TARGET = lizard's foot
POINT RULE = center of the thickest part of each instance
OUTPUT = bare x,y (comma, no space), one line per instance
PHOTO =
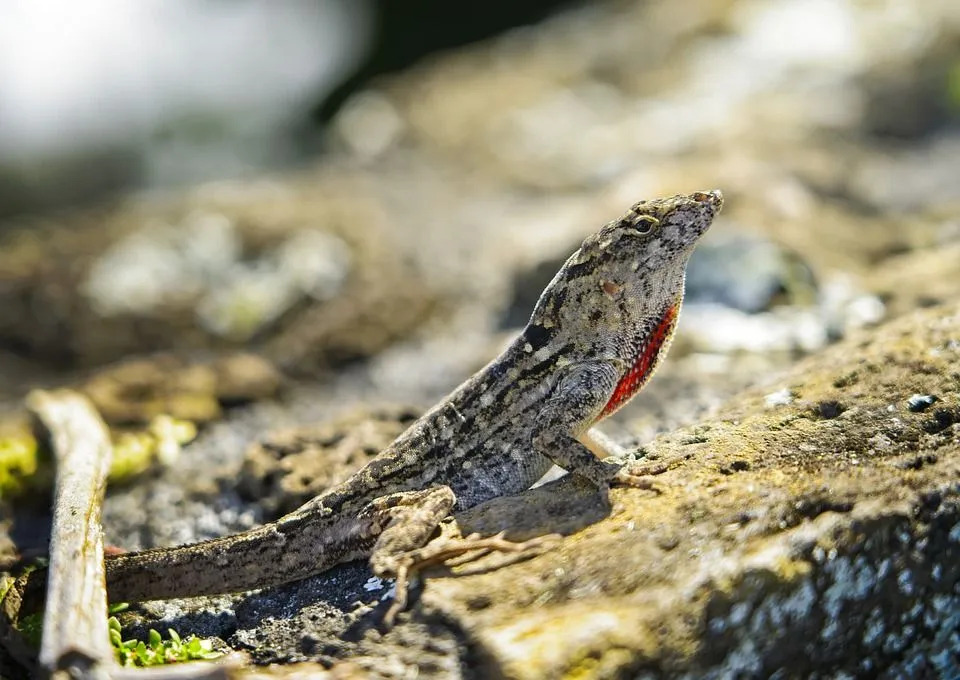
638,476
460,551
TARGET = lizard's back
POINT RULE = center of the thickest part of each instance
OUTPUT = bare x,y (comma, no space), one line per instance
477,440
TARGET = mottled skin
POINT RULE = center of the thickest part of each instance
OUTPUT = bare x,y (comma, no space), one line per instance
597,333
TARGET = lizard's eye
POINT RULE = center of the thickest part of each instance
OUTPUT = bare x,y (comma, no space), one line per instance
645,224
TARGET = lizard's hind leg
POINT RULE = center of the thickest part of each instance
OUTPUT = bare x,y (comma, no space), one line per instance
404,547
411,517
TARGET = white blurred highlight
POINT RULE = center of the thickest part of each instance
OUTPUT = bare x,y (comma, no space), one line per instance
80,75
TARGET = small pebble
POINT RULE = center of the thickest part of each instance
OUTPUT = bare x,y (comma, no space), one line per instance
779,398
921,402
373,583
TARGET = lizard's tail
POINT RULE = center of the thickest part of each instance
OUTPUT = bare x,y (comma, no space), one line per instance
289,549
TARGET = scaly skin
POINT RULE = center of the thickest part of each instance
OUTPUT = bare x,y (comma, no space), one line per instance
597,333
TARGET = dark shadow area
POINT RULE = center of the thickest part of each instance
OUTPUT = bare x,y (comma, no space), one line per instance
405,32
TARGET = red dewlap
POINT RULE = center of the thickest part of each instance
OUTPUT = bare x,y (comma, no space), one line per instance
631,383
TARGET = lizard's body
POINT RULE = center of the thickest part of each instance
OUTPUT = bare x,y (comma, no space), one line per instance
595,337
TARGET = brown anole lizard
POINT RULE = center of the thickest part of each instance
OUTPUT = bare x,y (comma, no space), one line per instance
595,336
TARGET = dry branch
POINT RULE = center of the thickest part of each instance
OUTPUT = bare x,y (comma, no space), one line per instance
75,635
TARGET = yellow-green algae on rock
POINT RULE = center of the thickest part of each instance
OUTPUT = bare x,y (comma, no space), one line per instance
818,530
153,406
18,460
24,466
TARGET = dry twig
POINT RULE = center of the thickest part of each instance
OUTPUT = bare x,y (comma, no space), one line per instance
75,638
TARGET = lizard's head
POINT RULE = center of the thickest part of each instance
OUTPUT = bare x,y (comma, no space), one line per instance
652,235
633,268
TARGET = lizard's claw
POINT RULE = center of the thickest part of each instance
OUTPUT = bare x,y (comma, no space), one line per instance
639,476
401,589
474,546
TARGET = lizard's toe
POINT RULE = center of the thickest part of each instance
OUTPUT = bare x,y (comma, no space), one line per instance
639,476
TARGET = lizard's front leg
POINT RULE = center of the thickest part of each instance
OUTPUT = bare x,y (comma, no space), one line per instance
603,447
572,407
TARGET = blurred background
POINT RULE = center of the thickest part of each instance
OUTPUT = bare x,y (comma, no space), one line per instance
111,96
373,193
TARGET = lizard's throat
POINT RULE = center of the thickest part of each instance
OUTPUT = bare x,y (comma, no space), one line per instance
648,354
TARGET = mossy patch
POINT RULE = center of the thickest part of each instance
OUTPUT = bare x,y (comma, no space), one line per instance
18,463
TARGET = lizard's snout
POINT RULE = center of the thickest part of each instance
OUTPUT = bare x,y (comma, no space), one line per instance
713,198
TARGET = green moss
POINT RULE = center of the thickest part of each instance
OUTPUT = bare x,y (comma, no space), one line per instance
6,582
610,663
133,452
953,87
31,627
24,465
156,651
18,463
170,434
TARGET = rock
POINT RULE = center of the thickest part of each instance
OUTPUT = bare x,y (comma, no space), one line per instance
24,465
779,398
153,407
715,328
922,278
245,377
783,536
747,273
286,469
918,403
307,274
134,392
907,100
786,532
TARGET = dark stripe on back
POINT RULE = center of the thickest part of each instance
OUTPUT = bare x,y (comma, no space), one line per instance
544,366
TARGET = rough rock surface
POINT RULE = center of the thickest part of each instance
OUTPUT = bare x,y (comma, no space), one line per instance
808,528
788,539
302,272
286,469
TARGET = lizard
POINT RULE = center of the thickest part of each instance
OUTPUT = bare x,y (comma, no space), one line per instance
596,335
